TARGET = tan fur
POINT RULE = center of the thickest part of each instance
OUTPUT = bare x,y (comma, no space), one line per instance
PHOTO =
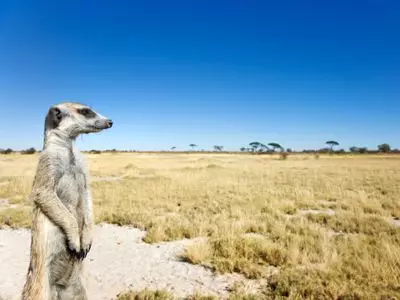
62,215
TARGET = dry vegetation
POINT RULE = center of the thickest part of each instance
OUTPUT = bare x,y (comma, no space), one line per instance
315,228
165,295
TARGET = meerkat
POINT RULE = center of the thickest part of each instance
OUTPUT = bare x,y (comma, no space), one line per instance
62,207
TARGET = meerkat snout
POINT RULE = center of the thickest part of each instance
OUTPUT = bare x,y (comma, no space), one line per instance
104,123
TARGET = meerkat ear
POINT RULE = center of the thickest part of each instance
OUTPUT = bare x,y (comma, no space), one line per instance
53,118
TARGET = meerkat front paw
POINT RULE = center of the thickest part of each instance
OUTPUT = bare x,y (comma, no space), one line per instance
86,241
74,246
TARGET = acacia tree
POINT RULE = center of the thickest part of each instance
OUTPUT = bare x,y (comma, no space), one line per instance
192,146
332,144
243,149
218,148
275,146
173,148
263,148
258,147
254,146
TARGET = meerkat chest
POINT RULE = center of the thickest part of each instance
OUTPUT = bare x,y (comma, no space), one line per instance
72,184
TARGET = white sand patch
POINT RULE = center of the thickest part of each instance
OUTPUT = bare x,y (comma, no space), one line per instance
396,222
118,261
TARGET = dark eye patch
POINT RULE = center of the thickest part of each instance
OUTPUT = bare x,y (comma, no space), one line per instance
87,112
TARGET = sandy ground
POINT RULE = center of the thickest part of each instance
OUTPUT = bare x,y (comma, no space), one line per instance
118,261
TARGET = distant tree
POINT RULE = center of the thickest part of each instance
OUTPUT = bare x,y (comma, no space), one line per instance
353,149
263,148
309,151
173,148
342,151
289,150
218,148
94,151
29,151
254,146
324,150
362,150
243,149
192,146
7,151
384,148
275,146
332,144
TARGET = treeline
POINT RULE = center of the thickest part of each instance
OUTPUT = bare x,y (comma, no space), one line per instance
26,151
257,147
254,147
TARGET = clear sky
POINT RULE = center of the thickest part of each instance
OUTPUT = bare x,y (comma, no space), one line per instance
171,73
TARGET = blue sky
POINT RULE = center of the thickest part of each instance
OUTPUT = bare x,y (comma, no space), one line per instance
171,73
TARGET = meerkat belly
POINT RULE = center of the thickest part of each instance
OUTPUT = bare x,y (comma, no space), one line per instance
70,190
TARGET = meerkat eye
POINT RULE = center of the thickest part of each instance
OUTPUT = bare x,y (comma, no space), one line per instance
87,112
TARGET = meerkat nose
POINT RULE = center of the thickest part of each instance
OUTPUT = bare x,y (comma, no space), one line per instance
109,123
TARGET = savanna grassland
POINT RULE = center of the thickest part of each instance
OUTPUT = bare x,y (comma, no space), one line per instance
304,228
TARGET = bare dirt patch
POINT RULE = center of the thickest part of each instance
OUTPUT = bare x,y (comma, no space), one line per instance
119,261
396,222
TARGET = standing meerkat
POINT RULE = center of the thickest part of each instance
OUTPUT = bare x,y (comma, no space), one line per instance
62,214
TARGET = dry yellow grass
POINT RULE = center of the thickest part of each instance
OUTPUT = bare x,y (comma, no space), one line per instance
146,295
316,228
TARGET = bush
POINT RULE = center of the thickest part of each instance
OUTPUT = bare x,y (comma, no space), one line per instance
324,150
6,151
283,155
146,295
95,151
29,151
362,150
384,148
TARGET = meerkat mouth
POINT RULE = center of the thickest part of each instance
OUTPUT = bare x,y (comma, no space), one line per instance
92,128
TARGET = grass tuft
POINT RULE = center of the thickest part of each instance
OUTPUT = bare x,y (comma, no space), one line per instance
146,295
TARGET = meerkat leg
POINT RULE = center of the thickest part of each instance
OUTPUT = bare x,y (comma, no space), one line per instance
75,290
87,223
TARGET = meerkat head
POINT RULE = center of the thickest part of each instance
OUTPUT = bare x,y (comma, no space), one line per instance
74,119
